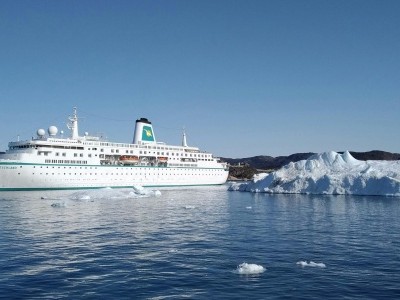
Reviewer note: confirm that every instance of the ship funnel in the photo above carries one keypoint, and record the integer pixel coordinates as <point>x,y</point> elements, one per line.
<point>144,133</point>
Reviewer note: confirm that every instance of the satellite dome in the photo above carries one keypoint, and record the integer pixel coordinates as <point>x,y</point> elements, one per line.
<point>52,130</point>
<point>41,132</point>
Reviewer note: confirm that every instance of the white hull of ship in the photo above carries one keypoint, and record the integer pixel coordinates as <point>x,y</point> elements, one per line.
<point>43,177</point>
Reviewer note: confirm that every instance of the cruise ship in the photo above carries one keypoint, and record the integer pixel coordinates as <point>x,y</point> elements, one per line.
<point>52,162</point>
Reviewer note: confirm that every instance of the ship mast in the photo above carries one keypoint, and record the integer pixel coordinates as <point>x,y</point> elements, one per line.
<point>73,125</point>
<point>184,143</point>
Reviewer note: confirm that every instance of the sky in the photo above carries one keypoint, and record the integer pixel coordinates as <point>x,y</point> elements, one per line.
<point>244,78</point>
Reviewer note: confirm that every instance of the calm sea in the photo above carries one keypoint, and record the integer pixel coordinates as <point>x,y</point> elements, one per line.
<point>188,243</point>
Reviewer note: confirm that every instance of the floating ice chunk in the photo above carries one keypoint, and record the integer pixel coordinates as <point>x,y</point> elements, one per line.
<point>310,264</point>
<point>246,268</point>
<point>189,207</point>
<point>58,204</point>
<point>248,207</point>
<point>141,191</point>
<point>138,189</point>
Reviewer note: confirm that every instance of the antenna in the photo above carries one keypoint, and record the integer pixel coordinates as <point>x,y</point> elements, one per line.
<point>184,142</point>
<point>73,125</point>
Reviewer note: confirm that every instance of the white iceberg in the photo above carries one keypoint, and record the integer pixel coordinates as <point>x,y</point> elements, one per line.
<point>248,269</point>
<point>328,173</point>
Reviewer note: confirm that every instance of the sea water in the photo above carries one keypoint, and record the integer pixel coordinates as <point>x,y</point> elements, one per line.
<point>197,243</point>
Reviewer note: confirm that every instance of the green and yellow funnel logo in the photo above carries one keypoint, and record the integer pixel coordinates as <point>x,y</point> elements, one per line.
<point>147,134</point>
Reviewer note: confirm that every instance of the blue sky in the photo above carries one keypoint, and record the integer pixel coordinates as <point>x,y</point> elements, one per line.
<point>244,78</point>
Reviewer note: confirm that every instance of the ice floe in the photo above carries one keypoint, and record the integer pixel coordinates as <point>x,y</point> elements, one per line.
<point>104,194</point>
<point>247,269</point>
<point>328,173</point>
<point>310,264</point>
<point>189,207</point>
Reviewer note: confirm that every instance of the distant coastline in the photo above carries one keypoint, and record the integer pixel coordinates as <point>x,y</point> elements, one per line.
<point>245,168</point>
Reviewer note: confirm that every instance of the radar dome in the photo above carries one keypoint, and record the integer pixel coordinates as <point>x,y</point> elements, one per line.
<point>41,132</point>
<point>52,130</point>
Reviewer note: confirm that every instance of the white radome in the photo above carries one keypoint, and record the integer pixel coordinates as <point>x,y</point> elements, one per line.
<point>41,132</point>
<point>52,130</point>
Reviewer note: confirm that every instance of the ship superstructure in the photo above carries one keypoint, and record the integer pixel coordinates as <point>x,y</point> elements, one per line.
<point>51,161</point>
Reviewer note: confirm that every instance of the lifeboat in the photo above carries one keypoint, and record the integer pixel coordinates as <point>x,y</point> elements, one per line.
<point>128,159</point>
<point>162,159</point>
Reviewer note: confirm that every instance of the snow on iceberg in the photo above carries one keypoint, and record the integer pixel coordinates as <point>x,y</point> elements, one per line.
<point>328,173</point>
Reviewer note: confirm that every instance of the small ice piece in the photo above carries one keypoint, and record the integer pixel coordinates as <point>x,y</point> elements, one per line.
<point>310,264</point>
<point>189,207</point>
<point>248,207</point>
<point>139,190</point>
<point>246,268</point>
<point>58,204</point>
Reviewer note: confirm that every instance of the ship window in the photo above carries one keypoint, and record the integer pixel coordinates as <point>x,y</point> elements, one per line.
<point>89,155</point>
<point>75,154</point>
<point>102,150</point>
<point>64,154</point>
<point>81,154</point>
<point>57,154</point>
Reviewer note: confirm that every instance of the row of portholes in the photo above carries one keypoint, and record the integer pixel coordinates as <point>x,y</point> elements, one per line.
<point>130,168</point>
<point>126,174</point>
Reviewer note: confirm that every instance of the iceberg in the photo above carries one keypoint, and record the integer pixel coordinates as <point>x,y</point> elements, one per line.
<point>249,269</point>
<point>328,173</point>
